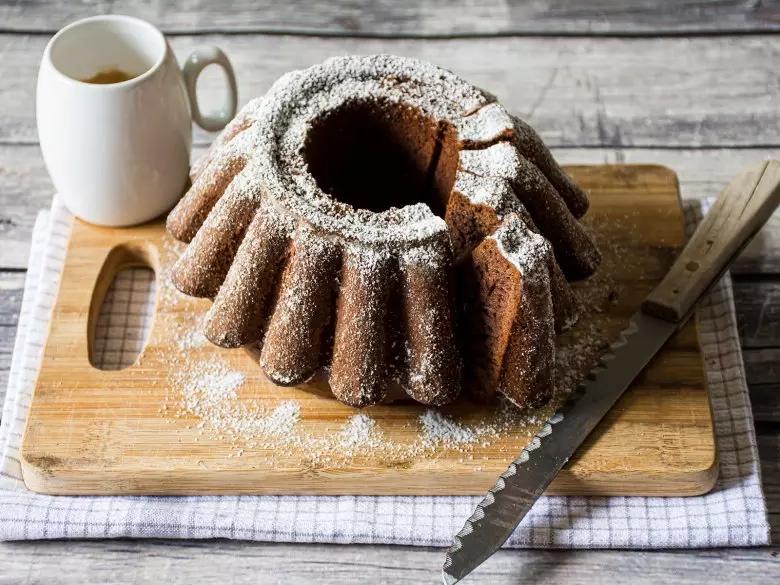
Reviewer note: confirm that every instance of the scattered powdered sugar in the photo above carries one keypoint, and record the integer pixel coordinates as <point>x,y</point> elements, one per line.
<point>441,429</point>
<point>208,391</point>
<point>214,384</point>
<point>360,432</point>
<point>281,421</point>
<point>192,337</point>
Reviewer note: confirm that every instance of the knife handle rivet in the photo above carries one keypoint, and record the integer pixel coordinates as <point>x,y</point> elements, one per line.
<point>692,266</point>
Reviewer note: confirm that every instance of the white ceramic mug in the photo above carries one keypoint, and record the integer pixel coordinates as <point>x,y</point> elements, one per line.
<point>118,154</point>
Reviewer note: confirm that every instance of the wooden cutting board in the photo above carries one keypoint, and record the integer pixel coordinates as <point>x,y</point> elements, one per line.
<point>133,431</point>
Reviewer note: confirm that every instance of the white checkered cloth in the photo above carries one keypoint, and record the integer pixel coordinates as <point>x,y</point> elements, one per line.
<point>733,514</point>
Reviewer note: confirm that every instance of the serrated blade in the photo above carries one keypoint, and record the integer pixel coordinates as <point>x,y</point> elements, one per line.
<point>516,490</point>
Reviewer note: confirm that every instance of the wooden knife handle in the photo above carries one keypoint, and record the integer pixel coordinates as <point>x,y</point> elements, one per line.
<point>742,208</point>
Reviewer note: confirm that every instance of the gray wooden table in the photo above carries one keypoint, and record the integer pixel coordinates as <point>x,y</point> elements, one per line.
<point>693,85</point>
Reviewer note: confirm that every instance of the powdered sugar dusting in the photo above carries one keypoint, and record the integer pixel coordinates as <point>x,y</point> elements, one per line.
<point>485,125</point>
<point>192,337</point>
<point>522,247</point>
<point>499,160</point>
<point>215,400</point>
<point>282,420</point>
<point>359,432</point>
<point>491,191</point>
<point>283,118</point>
<point>294,103</point>
<point>265,168</point>
<point>441,429</point>
<point>276,178</point>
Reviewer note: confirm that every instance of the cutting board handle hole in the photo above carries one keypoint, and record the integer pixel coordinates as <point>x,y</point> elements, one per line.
<point>122,308</point>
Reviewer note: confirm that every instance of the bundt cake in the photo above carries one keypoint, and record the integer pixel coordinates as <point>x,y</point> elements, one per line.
<point>380,220</point>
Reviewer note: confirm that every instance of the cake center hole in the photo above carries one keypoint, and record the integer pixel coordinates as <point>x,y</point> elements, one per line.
<point>377,155</point>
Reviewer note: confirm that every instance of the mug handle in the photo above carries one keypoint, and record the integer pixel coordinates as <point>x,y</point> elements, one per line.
<point>195,63</point>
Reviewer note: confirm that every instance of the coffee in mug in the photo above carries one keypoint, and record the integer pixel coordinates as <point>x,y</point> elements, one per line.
<point>115,114</point>
<point>110,75</point>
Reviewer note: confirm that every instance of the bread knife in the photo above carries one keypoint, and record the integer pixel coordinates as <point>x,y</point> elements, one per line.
<point>742,208</point>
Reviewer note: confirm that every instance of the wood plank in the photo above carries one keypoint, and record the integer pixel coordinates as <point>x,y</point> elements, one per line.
<point>759,312</point>
<point>413,18</point>
<point>758,316</point>
<point>611,92</point>
<point>768,437</point>
<point>765,401</point>
<point>25,189</point>
<point>215,562</point>
<point>762,365</point>
<point>657,440</point>
<point>11,290</point>
<point>762,372</point>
